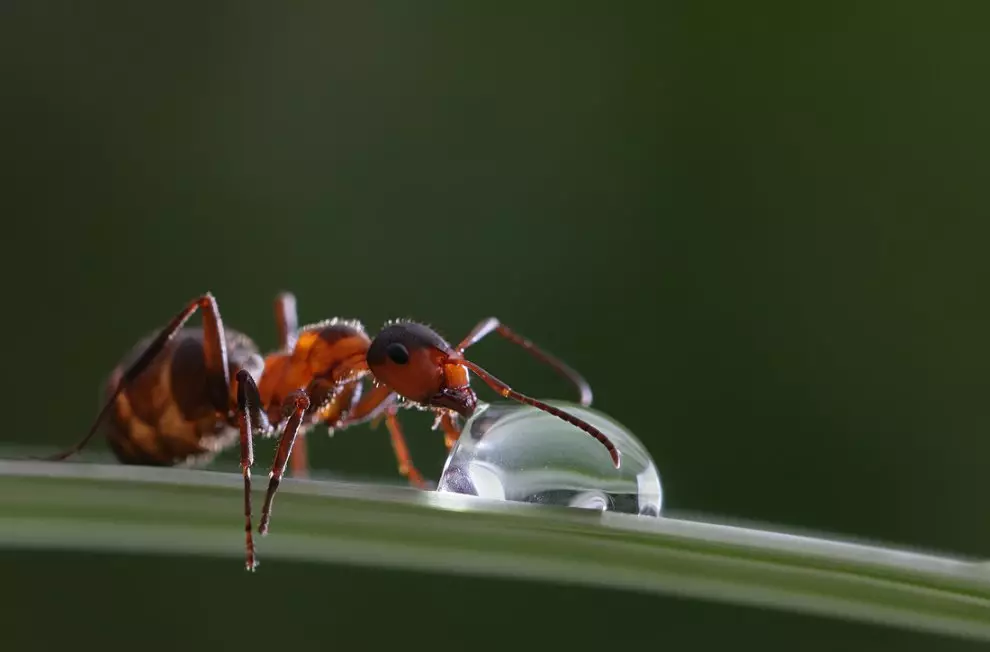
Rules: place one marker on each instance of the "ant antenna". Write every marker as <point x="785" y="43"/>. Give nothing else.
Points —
<point x="508" y="392"/>
<point x="493" y="325"/>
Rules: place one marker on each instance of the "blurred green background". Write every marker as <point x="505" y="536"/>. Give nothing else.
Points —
<point x="759" y="229"/>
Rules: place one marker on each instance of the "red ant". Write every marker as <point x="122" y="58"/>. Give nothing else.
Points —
<point x="188" y="409"/>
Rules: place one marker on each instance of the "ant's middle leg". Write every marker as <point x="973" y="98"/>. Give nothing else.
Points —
<point x="214" y="353"/>
<point x="287" y="327"/>
<point x="296" y="404"/>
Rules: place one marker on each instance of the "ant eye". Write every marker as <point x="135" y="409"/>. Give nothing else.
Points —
<point x="397" y="353"/>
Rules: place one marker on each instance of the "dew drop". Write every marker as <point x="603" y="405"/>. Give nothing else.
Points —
<point x="514" y="452"/>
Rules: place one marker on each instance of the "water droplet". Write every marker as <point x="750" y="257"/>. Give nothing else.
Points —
<point x="515" y="452"/>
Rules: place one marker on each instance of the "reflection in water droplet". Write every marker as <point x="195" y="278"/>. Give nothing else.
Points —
<point x="590" y="500"/>
<point x="515" y="452"/>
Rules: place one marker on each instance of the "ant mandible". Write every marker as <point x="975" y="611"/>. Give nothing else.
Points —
<point x="190" y="409"/>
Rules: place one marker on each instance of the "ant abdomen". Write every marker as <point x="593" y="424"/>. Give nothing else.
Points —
<point x="166" y="416"/>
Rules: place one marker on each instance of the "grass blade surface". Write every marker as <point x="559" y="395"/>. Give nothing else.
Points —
<point x="118" y="508"/>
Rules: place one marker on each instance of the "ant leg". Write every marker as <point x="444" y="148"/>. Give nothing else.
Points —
<point x="215" y="354"/>
<point x="451" y="430"/>
<point x="492" y="324"/>
<point x="299" y="403"/>
<point x="371" y="406"/>
<point x="286" y="320"/>
<point x="334" y="413"/>
<point x="299" y="461"/>
<point x="377" y="404"/>
<point x="406" y="467"/>
<point x="251" y="419"/>
<point x="287" y="325"/>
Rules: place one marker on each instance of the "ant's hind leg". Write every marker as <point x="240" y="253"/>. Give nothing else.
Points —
<point x="251" y="419"/>
<point x="215" y="356"/>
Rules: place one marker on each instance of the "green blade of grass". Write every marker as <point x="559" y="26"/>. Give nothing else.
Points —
<point x="132" y="509"/>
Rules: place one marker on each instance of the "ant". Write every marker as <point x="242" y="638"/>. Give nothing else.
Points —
<point x="188" y="408"/>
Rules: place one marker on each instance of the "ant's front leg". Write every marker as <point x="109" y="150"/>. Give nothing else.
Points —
<point x="451" y="429"/>
<point x="370" y="407"/>
<point x="379" y="403"/>
<point x="406" y="467"/>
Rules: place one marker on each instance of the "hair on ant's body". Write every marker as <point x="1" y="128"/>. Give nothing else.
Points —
<point x="187" y="393"/>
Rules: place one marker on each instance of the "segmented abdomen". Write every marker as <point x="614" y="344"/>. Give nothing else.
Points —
<point x="165" y="417"/>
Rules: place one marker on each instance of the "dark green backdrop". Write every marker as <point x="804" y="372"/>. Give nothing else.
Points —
<point x="759" y="229"/>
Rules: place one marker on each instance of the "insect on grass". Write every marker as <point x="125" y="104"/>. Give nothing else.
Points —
<point x="185" y="394"/>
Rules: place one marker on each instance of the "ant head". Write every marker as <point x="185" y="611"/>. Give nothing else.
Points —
<point x="415" y="362"/>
